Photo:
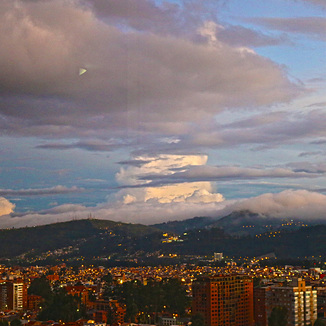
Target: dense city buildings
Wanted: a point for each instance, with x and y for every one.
(225, 300)
(224, 296)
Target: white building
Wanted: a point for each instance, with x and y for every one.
(299, 300)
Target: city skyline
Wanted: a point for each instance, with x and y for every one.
(147, 111)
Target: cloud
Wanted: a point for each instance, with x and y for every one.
(140, 78)
(308, 167)
(314, 153)
(163, 165)
(57, 190)
(6, 207)
(319, 142)
(298, 204)
(222, 173)
(240, 36)
(320, 3)
(313, 26)
(319, 104)
(142, 15)
(89, 145)
(149, 213)
(273, 129)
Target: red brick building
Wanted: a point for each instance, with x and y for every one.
(79, 290)
(34, 302)
(225, 300)
(260, 304)
(101, 309)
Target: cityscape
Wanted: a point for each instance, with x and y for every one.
(163, 295)
(165, 285)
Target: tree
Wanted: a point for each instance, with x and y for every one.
(320, 322)
(175, 296)
(16, 322)
(40, 286)
(256, 282)
(131, 312)
(61, 306)
(108, 278)
(197, 320)
(107, 288)
(278, 317)
(111, 315)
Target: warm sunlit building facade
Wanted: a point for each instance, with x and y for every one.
(225, 300)
(299, 300)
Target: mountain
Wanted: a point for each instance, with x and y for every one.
(238, 223)
(248, 223)
(112, 243)
(179, 227)
(80, 237)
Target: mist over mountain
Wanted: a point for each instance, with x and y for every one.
(239, 223)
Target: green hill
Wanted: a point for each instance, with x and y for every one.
(40, 239)
(108, 242)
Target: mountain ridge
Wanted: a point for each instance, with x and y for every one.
(105, 241)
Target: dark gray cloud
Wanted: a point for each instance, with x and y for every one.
(313, 26)
(182, 18)
(89, 145)
(318, 104)
(243, 36)
(320, 3)
(314, 153)
(142, 15)
(136, 163)
(308, 167)
(207, 173)
(268, 130)
(57, 190)
(319, 142)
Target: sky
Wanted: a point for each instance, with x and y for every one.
(145, 111)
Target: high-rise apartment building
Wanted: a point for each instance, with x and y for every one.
(260, 304)
(299, 300)
(13, 295)
(225, 300)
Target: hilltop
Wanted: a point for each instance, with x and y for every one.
(116, 243)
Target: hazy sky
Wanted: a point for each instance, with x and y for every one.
(147, 111)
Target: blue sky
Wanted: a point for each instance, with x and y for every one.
(186, 108)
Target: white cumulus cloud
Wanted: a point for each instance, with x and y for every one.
(165, 165)
(301, 204)
(6, 207)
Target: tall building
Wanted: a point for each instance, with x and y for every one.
(225, 300)
(299, 300)
(13, 295)
(260, 303)
(218, 256)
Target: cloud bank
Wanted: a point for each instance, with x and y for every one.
(297, 204)
(6, 207)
